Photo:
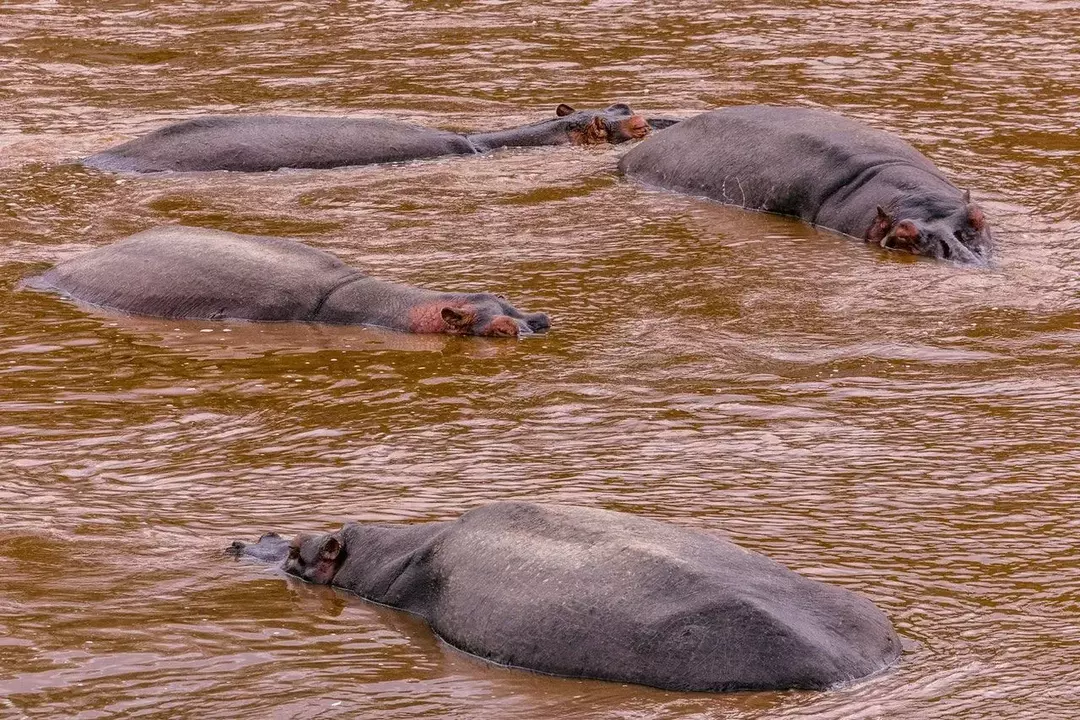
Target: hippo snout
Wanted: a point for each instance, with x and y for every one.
(538, 322)
(636, 127)
(271, 548)
(955, 249)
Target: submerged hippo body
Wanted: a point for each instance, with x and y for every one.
(821, 167)
(257, 143)
(589, 593)
(193, 273)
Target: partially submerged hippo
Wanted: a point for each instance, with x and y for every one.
(255, 143)
(183, 272)
(589, 593)
(821, 167)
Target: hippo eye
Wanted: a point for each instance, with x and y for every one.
(294, 552)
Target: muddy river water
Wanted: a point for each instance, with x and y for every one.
(907, 429)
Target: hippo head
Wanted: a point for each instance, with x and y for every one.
(315, 558)
(481, 314)
(959, 233)
(614, 124)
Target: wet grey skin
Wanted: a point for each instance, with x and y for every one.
(588, 593)
(260, 143)
(193, 273)
(820, 167)
(270, 548)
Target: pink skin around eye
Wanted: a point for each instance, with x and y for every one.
(324, 571)
(428, 318)
(635, 126)
(976, 218)
(904, 236)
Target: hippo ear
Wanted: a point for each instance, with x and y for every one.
(454, 318)
(880, 227)
(976, 219)
(330, 548)
(563, 110)
(621, 108)
(967, 196)
(903, 236)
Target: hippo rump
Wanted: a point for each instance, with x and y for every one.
(257, 143)
(821, 167)
(588, 593)
(193, 273)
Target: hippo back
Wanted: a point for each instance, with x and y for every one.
(589, 593)
(801, 162)
(257, 143)
(183, 272)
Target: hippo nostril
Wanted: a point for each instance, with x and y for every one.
(946, 251)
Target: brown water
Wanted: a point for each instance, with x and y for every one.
(907, 429)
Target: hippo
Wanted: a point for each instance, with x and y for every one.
(194, 273)
(589, 593)
(821, 167)
(258, 143)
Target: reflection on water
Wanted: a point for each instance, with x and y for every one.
(899, 427)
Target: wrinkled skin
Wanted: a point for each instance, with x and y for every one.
(823, 168)
(260, 143)
(193, 273)
(589, 593)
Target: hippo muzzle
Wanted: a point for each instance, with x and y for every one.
(270, 548)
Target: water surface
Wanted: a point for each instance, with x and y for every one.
(903, 428)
